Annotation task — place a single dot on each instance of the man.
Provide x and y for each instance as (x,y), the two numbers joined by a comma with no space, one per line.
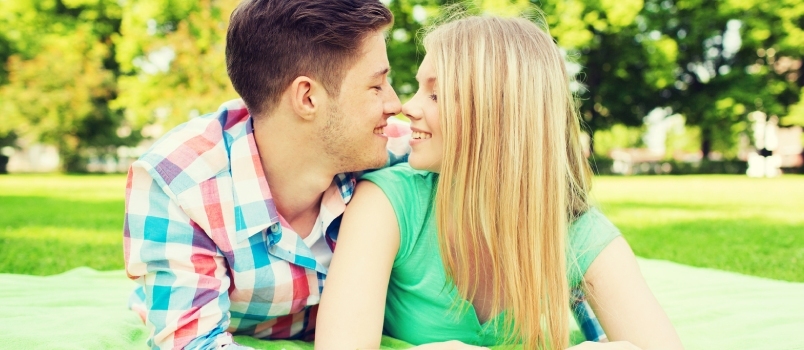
(231,218)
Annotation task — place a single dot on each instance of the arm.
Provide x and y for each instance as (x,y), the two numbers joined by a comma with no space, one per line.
(352,307)
(179,267)
(624,304)
(353,302)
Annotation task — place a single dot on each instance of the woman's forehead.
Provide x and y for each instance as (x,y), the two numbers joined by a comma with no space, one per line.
(427,73)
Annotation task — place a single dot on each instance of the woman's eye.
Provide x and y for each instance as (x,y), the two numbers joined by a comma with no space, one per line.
(434,97)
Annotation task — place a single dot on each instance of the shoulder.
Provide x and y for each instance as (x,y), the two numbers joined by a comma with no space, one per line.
(399,174)
(588,235)
(196,150)
(410,193)
(403,185)
(592,221)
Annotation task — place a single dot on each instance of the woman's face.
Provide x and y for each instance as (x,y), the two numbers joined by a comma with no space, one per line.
(422,109)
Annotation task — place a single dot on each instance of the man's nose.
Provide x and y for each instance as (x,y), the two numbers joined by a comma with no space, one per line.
(393,106)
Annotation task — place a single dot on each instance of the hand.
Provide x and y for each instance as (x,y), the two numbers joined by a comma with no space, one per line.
(449,345)
(617,345)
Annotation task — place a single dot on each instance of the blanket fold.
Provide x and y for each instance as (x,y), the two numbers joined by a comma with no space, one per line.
(711,309)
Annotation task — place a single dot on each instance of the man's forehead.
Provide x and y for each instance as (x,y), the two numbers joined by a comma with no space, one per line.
(374,61)
(373,42)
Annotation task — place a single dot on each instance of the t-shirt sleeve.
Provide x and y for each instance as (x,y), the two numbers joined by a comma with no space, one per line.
(410,194)
(588,236)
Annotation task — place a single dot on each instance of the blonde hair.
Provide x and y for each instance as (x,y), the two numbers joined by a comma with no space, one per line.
(515,175)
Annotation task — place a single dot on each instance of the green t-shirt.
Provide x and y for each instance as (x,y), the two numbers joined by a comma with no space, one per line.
(419,304)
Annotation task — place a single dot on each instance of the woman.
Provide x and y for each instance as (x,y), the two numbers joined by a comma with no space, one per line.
(482,236)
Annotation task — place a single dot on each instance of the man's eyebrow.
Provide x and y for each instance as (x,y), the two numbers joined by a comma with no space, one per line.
(381,73)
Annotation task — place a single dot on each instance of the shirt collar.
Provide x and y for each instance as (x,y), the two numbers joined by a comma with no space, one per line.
(254,206)
(255,210)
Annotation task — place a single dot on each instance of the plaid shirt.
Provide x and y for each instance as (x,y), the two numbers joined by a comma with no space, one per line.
(587,321)
(204,240)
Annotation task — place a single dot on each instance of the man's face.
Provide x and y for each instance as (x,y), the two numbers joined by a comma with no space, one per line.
(353,134)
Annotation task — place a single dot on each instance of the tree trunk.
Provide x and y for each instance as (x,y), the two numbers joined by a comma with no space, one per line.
(3,164)
(71,161)
(706,142)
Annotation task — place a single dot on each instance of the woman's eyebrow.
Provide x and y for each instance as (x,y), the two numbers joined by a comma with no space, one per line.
(430,80)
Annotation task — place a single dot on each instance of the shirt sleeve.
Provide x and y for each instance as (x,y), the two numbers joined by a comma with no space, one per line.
(410,194)
(588,236)
(182,273)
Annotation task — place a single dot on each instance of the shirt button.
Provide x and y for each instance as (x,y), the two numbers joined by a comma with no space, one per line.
(275,228)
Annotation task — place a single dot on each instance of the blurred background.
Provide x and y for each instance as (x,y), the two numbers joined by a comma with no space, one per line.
(678,87)
(667,86)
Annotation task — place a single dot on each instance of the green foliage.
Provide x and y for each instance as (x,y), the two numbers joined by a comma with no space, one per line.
(405,50)
(717,83)
(795,114)
(87,74)
(45,99)
(172,56)
(620,74)
(618,136)
(686,140)
(61,74)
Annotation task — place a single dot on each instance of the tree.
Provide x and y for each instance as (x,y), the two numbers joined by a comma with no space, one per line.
(728,61)
(713,61)
(87,74)
(62,75)
(172,56)
(620,74)
(405,50)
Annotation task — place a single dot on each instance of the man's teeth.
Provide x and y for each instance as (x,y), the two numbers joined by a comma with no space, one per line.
(379,130)
(420,135)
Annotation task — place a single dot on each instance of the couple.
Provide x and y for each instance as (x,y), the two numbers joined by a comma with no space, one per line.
(232,218)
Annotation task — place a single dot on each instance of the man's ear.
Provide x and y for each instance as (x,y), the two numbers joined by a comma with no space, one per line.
(307,97)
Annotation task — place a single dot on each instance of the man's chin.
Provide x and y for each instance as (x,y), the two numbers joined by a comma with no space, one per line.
(368,164)
(379,162)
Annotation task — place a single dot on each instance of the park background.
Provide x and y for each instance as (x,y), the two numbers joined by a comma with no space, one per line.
(692,87)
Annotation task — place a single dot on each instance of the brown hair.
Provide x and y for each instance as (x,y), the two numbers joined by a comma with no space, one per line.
(272,42)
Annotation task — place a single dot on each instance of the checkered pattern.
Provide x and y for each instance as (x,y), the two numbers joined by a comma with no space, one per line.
(587,321)
(203,238)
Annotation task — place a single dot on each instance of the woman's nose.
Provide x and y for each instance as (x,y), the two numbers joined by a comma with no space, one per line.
(411,110)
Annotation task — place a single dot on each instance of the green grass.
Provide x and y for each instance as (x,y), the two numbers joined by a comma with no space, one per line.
(732,223)
(53,223)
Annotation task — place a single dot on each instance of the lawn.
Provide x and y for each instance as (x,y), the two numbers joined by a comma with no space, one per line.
(53,223)
(732,223)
